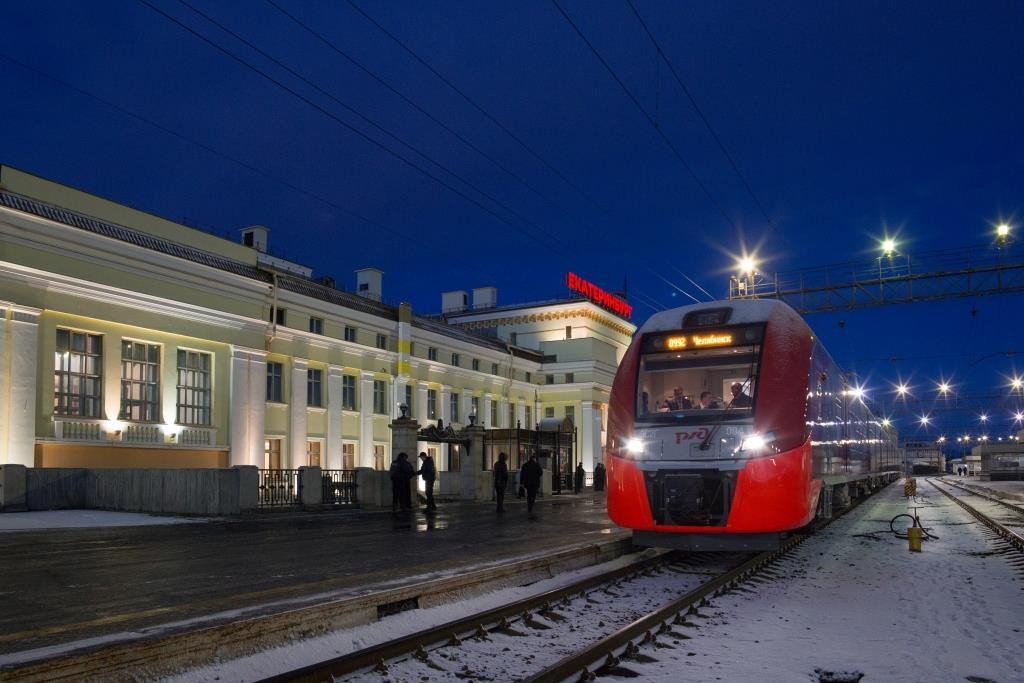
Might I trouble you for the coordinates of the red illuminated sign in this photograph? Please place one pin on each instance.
(598, 295)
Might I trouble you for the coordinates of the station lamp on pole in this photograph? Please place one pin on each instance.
(888, 246)
(1002, 234)
(902, 390)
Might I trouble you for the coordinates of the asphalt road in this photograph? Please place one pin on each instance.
(64, 585)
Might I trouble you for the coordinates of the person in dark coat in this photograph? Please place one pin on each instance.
(529, 477)
(500, 481)
(401, 474)
(581, 475)
(739, 398)
(599, 477)
(428, 471)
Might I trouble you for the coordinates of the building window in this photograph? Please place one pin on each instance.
(277, 315)
(408, 400)
(453, 402)
(454, 458)
(350, 333)
(570, 378)
(514, 338)
(140, 381)
(570, 414)
(272, 454)
(549, 411)
(348, 456)
(568, 331)
(455, 359)
(529, 417)
(194, 388)
(380, 397)
(378, 457)
(431, 404)
(348, 392)
(475, 402)
(316, 325)
(382, 341)
(275, 388)
(476, 364)
(78, 374)
(431, 353)
(313, 453)
(494, 414)
(494, 368)
(549, 379)
(412, 349)
(512, 415)
(314, 388)
(529, 376)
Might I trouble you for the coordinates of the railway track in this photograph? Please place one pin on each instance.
(1002, 531)
(567, 628)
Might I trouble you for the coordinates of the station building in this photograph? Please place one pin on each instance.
(130, 340)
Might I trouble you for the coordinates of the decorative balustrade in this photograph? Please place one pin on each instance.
(77, 429)
(100, 431)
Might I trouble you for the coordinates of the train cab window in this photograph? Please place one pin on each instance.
(696, 384)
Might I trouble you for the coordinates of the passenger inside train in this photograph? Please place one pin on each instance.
(688, 385)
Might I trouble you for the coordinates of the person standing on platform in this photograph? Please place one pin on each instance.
(581, 474)
(401, 474)
(500, 481)
(599, 477)
(529, 478)
(428, 471)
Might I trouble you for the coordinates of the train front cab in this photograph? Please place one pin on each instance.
(737, 475)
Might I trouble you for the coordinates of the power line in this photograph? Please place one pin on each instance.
(674, 286)
(366, 119)
(359, 65)
(654, 124)
(700, 113)
(355, 130)
(709, 295)
(486, 114)
(211, 150)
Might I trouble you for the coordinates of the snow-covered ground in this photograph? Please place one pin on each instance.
(68, 519)
(852, 601)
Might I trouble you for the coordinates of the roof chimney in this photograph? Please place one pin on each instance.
(368, 283)
(454, 302)
(485, 297)
(255, 236)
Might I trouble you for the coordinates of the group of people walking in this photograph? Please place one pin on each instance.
(530, 476)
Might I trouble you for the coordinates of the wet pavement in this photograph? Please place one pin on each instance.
(64, 585)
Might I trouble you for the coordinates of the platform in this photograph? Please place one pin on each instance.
(71, 587)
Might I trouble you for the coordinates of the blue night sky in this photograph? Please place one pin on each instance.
(846, 120)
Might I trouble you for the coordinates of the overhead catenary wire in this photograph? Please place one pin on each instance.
(673, 285)
(700, 113)
(484, 112)
(386, 84)
(350, 127)
(207, 148)
(650, 120)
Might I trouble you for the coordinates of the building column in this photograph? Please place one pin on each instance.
(590, 435)
(248, 400)
(334, 390)
(366, 419)
(467, 406)
(485, 405)
(503, 413)
(297, 417)
(19, 356)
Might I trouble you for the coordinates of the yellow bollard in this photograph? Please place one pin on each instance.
(910, 487)
(915, 535)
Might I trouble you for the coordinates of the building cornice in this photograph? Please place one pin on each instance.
(547, 314)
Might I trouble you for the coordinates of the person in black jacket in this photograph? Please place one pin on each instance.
(578, 479)
(529, 477)
(599, 477)
(428, 471)
(500, 481)
(401, 474)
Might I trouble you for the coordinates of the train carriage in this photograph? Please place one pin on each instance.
(730, 426)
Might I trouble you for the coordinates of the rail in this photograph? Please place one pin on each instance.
(278, 488)
(339, 488)
(1006, 533)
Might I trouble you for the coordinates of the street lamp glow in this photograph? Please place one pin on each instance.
(1016, 383)
(942, 439)
(944, 387)
(857, 392)
(886, 422)
(1003, 230)
(924, 420)
(888, 246)
(746, 265)
(983, 417)
(1018, 417)
(902, 389)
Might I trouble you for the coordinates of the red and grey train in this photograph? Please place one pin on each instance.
(730, 426)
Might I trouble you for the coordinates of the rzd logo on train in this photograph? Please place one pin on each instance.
(701, 434)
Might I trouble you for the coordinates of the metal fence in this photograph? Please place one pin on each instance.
(278, 488)
(340, 488)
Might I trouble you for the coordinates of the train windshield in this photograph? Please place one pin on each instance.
(697, 385)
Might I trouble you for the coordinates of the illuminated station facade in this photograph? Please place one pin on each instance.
(132, 341)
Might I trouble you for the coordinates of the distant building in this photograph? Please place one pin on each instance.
(924, 457)
(1000, 460)
(132, 341)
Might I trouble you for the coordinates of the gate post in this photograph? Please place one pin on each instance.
(472, 465)
(403, 440)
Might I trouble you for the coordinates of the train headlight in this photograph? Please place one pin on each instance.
(634, 446)
(756, 442)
